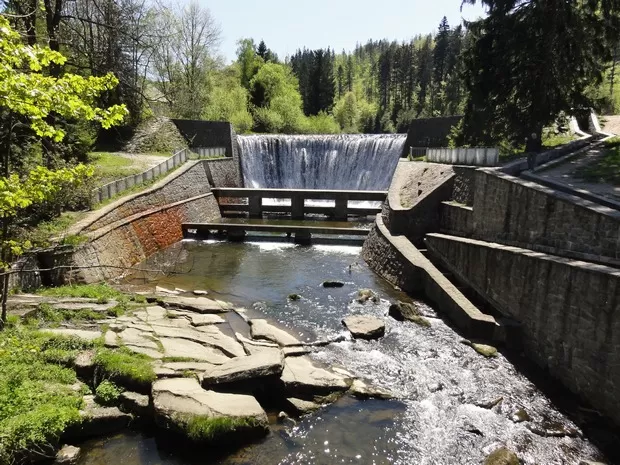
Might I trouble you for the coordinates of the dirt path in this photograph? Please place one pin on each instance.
(141, 161)
(611, 124)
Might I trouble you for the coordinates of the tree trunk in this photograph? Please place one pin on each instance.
(4, 253)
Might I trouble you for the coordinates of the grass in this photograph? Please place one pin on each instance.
(554, 140)
(103, 293)
(48, 314)
(606, 168)
(206, 429)
(109, 166)
(126, 365)
(57, 227)
(37, 403)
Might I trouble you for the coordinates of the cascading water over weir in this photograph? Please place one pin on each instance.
(348, 162)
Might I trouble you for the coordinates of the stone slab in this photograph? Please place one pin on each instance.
(364, 326)
(269, 362)
(261, 329)
(183, 348)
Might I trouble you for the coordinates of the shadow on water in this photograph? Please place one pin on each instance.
(454, 406)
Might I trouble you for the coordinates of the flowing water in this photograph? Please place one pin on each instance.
(440, 383)
(349, 162)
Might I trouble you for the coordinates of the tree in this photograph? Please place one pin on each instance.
(27, 89)
(183, 59)
(531, 60)
(265, 53)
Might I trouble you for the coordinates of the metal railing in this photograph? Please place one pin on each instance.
(114, 188)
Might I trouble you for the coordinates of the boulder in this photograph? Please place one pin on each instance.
(183, 348)
(294, 297)
(181, 405)
(483, 349)
(137, 404)
(98, 420)
(361, 390)
(364, 295)
(302, 407)
(402, 311)
(261, 329)
(332, 284)
(67, 455)
(195, 304)
(85, 364)
(301, 377)
(364, 326)
(502, 456)
(267, 363)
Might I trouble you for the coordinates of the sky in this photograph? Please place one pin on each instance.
(286, 25)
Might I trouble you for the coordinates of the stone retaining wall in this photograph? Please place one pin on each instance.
(189, 181)
(398, 261)
(517, 212)
(569, 310)
(457, 219)
(224, 172)
(131, 240)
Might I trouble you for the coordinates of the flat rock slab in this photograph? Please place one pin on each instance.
(183, 348)
(269, 362)
(153, 353)
(94, 306)
(137, 404)
(188, 366)
(137, 338)
(365, 326)
(68, 455)
(111, 340)
(196, 304)
(205, 335)
(205, 320)
(301, 375)
(362, 390)
(304, 406)
(261, 329)
(79, 333)
(177, 401)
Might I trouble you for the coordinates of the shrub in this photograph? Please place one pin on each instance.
(107, 393)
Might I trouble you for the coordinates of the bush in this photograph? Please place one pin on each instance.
(107, 393)
(102, 292)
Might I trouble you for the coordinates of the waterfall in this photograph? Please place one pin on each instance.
(349, 162)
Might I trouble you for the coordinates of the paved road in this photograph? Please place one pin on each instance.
(564, 174)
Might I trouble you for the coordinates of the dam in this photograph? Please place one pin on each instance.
(431, 244)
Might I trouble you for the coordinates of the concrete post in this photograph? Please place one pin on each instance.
(297, 207)
(303, 238)
(342, 203)
(256, 206)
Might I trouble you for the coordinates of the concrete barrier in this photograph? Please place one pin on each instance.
(476, 156)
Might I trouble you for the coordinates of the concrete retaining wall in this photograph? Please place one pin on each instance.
(569, 310)
(478, 156)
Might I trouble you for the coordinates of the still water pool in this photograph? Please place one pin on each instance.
(444, 390)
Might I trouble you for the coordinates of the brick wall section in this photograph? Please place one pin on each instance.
(569, 310)
(132, 240)
(189, 181)
(517, 212)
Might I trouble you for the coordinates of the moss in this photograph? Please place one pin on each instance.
(207, 429)
(124, 365)
(486, 350)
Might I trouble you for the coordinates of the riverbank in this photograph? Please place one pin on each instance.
(86, 361)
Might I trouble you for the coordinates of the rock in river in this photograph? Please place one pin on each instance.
(502, 456)
(260, 329)
(182, 405)
(407, 311)
(266, 363)
(68, 455)
(364, 326)
(332, 284)
(302, 378)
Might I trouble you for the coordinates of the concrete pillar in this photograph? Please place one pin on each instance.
(342, 203)
(303, 238)
(236, 235)
(297, 208)
(256, 206)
